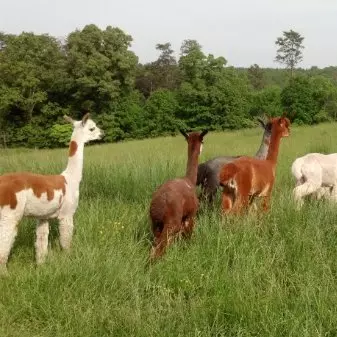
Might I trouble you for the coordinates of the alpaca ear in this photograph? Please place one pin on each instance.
(267, 127)
(85, 118)
(203, 134)
(68, 119)
(184, 134)
(261, 122)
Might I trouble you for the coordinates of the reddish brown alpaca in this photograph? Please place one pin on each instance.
(247, 178)
(175, 203)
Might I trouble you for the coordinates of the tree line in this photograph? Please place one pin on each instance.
(43, 78)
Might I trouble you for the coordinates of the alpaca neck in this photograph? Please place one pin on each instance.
(264, 147)
(192, 167)
(75, 160)
(274, 147)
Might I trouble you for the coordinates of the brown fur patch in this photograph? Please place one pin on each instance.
(12, 183)
(72, 148)
(254, 177)
(174, 204)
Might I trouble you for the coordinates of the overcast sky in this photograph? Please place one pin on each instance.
(243, 31)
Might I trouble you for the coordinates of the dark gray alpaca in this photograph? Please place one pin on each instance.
(208, 172)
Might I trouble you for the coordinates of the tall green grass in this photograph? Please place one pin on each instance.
(273, 275)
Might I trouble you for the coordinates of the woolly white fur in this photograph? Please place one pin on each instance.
(315, 174)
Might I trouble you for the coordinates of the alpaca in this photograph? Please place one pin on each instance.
(316, 174)
(247, 178)
(44, 197)
(208, 172)
(175, 203)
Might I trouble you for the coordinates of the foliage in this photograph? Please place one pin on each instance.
(256, 77)
(267, 101)
(211, 96)
(100, 65)
(60, 134)
(310, 99)
(161, 74)
(42, 78)
(160, 113)
(297, 99)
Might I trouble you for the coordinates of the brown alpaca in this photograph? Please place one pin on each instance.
(175, 203)
(247, 178)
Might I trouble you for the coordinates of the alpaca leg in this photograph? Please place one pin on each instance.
(241, 205)
(188, 226)
(331, 193)
(8, 231)
(237, 206)
(164, 240)
(227, 203)
(324, 193)
(208, 192)
(303, 190)
(266, 203)
(211, 188)
(66, 229)
(41, 243)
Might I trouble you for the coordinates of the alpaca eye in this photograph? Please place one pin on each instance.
(91, 129)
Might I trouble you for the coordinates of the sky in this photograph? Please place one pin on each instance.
(242, 31)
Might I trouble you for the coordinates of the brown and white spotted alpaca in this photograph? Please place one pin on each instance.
(174, 204)
(247, 178)
(44, 197)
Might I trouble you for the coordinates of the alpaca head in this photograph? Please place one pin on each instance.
(86, 129)
(281, 126)
(194, 140)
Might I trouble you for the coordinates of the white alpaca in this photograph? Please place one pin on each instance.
(44, 197)
(315, 174)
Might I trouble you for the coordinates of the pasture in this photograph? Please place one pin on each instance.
(238, 276)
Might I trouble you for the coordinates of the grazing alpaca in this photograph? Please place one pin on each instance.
(175, 203)
(44, 197)
(247, 178)
(208, 172)
(316, 174)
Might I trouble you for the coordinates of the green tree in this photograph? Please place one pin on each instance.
(298, 100)
(191, 61)
(160, 113)
(29, 69)
(166, 67)
(325, 95)
(256, 77)
(289, 50)
(162, 73)
(211, 95)
(267, 101)
(101, 66)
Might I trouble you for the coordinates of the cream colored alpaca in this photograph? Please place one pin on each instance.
(316, 174)
(44, 197)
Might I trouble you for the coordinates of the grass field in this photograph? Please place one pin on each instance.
(249, 276)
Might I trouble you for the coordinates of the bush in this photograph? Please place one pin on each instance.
(267, 101)
(60, 134)
(160, 113)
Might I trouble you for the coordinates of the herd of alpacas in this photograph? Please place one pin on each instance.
(174, 204)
